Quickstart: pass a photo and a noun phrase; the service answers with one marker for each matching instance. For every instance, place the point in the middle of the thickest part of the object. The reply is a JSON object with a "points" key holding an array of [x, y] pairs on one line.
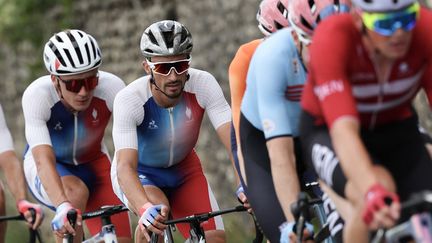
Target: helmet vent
{"points": [[183, 35], [305, 23], [169, 38], [278, 25], [58, 38], [94, 50], [69, 57], [87, 52], [311, 3], [281, 7], [152, 38], [57, 53], [72, 39]]}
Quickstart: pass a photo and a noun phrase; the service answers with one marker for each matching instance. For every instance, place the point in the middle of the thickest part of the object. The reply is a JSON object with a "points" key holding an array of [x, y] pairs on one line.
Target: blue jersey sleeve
{"points": [[279, 83]]}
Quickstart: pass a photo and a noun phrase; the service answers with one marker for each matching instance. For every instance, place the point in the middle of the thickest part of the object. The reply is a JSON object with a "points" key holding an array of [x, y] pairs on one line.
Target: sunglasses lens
{"points": [[75, 85], [387, 24], [165, 68]]}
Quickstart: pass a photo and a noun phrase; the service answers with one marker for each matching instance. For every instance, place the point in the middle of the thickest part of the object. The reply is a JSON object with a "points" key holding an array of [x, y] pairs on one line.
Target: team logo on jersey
{"points": [[188, 114], [58, 126], [152, 125], [94, 114], [95, 117]]}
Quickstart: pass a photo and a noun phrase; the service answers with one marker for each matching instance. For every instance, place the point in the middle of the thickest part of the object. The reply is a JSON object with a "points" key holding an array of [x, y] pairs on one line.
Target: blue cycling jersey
{"points": [[274, 85]]}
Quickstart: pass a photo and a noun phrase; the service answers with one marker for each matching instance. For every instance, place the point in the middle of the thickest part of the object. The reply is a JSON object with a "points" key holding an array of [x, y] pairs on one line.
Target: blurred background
{"points": [[218, 27]]}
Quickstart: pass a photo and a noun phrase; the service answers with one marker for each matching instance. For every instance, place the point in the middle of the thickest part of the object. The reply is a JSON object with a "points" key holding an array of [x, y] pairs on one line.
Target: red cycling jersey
{"points": [[343, 81]]}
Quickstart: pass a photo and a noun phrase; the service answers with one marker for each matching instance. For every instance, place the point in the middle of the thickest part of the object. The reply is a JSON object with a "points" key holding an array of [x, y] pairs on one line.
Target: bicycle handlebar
{"points": [[34, 234], [419, 202], [205, 216], [105, 211]]}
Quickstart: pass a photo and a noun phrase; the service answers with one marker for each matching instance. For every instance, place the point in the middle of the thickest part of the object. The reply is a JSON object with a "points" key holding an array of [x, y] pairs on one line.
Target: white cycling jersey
{"points": [[165, 136], [6, 142], [76, 138]]}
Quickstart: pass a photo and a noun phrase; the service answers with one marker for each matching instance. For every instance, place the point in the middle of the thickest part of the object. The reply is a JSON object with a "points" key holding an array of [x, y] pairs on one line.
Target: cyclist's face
{"points": [[170, 77], [80, 100], [394, 46]]}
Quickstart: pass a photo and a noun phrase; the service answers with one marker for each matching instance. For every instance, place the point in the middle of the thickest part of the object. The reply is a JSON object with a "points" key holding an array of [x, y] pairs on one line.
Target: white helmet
{"points": [[382, 5], [166, 38], [71, 52]]}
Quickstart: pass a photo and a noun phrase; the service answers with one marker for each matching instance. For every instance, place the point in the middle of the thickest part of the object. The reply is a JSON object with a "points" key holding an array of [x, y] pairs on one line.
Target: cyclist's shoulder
{"points": [[423, 30], [246, 50], [110, 78], [279, 45], [244, 55], [137, 90], [41, 89], [198, 76], [40, 84]]}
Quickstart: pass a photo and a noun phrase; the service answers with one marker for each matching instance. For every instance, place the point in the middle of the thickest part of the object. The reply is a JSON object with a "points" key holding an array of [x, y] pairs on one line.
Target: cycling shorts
{"points": [[95, 175], [185, 186]]}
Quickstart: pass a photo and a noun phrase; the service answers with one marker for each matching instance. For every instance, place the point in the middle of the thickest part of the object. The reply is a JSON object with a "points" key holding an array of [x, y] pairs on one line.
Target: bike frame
{"points": [[107, 233], [196, 232], [415, 221]]}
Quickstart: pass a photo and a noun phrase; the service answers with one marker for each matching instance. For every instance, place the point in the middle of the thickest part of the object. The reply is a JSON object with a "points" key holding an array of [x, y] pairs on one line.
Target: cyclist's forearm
{"points": [[352, 154], [47, 172], [14, 175], [284, 173], [225, 137], [131, 186]]}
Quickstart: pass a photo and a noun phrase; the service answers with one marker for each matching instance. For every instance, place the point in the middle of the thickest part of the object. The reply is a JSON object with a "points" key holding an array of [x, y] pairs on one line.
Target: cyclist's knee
{"points": [[76, 191], [215, 236]]}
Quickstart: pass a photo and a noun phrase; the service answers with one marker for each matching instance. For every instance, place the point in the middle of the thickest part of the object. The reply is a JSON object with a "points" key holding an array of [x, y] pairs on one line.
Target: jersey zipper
{"points": [[74, 148], [171, 153], [381, 82]]}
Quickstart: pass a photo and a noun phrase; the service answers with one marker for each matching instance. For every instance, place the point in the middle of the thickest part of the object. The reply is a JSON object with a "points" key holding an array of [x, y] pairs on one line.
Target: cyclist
{"points": [[358, 127], [269, 116], [156, 125], [12, 169], [271, 16], [66, 113]]}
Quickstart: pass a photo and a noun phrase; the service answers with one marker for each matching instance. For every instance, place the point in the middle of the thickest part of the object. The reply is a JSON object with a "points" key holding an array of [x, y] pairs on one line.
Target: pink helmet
{"points": [[304, 15], [272, 15]]}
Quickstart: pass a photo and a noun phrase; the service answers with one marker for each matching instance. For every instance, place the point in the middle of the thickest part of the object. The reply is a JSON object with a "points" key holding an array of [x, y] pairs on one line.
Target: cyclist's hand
{"points": [[241, 196], [288, 235], [382, 207], [24, 208], [60, 223], [152, 218]]}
